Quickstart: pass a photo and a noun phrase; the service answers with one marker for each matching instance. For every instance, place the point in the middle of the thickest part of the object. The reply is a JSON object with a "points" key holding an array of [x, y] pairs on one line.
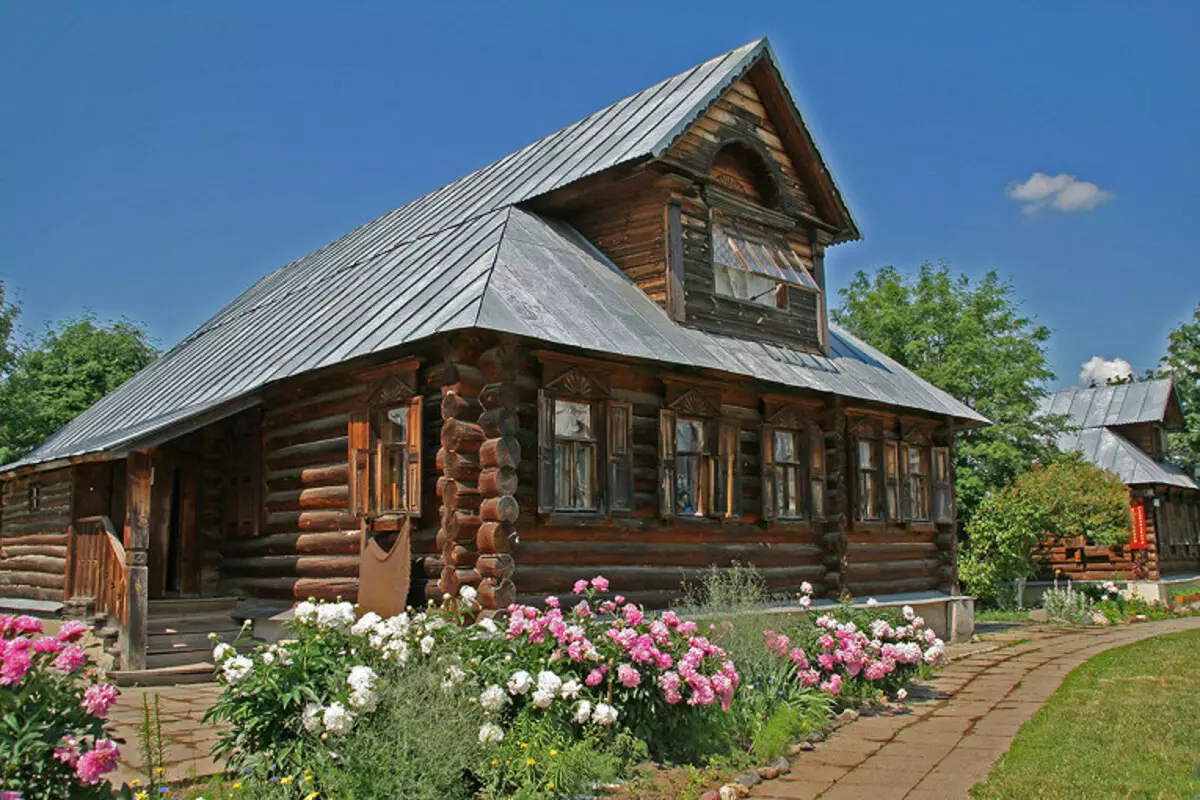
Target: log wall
{"points": [[33, 543]]}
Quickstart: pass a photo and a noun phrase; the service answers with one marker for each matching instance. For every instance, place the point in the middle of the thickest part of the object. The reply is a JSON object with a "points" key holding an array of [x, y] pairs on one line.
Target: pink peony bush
{"points": [[54, 737]]}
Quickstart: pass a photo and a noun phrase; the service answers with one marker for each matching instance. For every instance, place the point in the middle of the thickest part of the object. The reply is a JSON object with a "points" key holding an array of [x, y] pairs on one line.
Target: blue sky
{"points": [[157, 158]]}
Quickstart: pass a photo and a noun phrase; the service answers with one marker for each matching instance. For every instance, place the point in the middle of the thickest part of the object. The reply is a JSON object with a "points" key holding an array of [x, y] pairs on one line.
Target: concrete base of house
{"points": [[1159, 591], [952, 617], [42, 609]]}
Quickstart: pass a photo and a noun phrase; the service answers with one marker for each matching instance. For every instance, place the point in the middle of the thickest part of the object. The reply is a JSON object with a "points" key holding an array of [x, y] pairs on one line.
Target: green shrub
{"points": [[1069, 605]]}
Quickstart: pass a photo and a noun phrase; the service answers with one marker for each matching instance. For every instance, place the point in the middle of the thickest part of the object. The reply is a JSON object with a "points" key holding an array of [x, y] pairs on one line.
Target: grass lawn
{"points": [[1122, 725]]}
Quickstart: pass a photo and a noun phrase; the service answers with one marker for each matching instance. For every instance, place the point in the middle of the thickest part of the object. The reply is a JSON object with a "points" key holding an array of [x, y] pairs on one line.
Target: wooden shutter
{"points": [[545, 452], [620, 458], [943, 495], [666, 463], [817, 497], [413, 459], [359, 436], [906, 509], [728, 478], [770, 474]]}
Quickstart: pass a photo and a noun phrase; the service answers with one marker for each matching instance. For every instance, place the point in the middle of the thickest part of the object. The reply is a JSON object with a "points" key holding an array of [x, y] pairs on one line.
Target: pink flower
{"points": [[599, 583], [686, 628], [47, 644], [552, 601], [580, 587], [826, 661], [826, 641], [665, 661], [68, 751], [98, 698], [6, 624], [619, 599], [72, 658], [27, 624], [71, 631], [596, 676], [833, 685], [98, 761], [670, 683], [10, 795], [810, 677], [582, 609], [633, 615], [670, 618], [799, 658], [16, 661], [628, 676]]}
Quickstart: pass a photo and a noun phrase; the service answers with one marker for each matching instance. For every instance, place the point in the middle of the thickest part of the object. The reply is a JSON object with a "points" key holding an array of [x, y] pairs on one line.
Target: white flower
{"points": [[520, 682], [489, 625], [902, 694], [335, 616], [396, 650], [805, 601], [427, 645], [570, 690], [806, 588], [604, 714], [491, 733], [493, 699], [918, 622], [543, 698], [221, 652], [268, 658], [548, 682], [454, 676], [362, 679], [337, 718], [872, 602], [583, 712], [366, 623], [908, 613], [237, 669], [364, 700], [311, 718], [306, 612], [468, 593]]}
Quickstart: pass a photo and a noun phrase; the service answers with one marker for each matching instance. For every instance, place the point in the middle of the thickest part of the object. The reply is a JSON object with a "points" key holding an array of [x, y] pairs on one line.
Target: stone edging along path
{"points": [[963, 720]]}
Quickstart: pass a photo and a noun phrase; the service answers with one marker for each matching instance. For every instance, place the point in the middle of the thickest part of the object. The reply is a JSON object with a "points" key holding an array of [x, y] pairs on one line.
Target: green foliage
{"points": [[1067, 498], [150, 740], [1182, 362], [971, 341], [1069, 605], [61, 374], [8, 322]]}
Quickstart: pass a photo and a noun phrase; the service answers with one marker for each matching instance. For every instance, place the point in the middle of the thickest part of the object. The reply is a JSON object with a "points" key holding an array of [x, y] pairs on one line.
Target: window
{"points": [[700, 470], [891, 479], [943, 494], [577, 436], [574, 456], [755, 267], [868, 480], [385, 454], [35, 496], [917, 467], [793, 478]]}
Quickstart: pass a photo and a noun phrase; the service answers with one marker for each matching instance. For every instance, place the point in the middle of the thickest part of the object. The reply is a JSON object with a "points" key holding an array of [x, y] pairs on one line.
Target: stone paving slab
{"points": [[962, 721]]}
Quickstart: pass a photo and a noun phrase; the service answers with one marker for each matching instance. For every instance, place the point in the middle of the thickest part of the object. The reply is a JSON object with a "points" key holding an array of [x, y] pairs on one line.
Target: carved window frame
{"points": [[808, 464], [369, 447], [867, 435], [719, 471]]}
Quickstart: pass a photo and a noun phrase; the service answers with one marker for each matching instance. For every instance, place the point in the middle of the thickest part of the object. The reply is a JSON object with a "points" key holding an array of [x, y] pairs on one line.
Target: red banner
{"points": [[1138, 540]]}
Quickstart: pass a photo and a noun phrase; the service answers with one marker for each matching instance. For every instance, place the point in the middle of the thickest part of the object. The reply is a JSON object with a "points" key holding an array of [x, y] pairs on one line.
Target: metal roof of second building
{"points": [[1119, 404], [1112, 451]]}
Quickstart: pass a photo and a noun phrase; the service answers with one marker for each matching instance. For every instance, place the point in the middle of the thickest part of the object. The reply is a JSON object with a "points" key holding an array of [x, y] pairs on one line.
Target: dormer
{"points": [[726, 226]]}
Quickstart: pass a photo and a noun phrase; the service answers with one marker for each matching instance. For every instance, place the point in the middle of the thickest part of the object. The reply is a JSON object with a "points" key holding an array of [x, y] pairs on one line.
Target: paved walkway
{"points": [[962, 720], [186, 739]]}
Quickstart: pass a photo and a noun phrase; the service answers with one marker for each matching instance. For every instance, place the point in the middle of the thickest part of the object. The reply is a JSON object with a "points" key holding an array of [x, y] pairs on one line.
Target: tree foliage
{"points": [[8, 323], [1182, 363], [971, 341], [63, 372], [1069, 497]]}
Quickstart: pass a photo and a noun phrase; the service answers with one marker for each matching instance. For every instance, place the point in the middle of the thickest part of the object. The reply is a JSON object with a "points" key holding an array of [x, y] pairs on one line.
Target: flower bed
{"points": [[55, 740], [547, 702]]}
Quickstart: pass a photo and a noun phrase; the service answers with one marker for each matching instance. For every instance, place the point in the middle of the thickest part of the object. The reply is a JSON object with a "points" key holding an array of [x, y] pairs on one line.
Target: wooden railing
{"points": [[96, 567]]}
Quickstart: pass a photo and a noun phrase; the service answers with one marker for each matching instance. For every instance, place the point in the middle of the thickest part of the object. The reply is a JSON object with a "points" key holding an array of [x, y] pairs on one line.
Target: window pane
{"points": [[394, 425], [687, 485], [818, 498], [816, 456], [866, 455], [893, 501], [585, 476], [891, 460], [942, 471], [918, 463], [790, 503], [572, 420], [941, 501], [869, 494], [393, 478], [741, 285], [785, 447], [918, 490], [562, 475], [689, 436]]}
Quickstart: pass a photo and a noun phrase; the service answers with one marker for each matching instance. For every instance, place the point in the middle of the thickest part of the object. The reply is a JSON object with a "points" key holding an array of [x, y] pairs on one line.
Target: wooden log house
{"points": [[608, 352], [1123, 428]]}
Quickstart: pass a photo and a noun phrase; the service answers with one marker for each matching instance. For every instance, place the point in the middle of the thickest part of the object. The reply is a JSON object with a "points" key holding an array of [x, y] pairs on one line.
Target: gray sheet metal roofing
{"points": [[1103, 406], [424, 268], [1112, 451]]}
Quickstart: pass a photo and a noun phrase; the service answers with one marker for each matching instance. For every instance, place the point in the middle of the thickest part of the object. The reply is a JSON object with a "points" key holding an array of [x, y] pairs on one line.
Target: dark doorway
{"points": [[174, 553]]}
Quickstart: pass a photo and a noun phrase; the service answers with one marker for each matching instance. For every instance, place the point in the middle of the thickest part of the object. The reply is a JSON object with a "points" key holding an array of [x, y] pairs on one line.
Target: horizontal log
{"points": [[533, 551], [58, 551], [493, 595], [45, 580], [500, 509], [455, 406], [498, 422], [504, 451], [433, 591], [30, 592], [49, 523], [334, 566], [493, 537], [32, 539], [308, 430], [460, 495], [463, 379], [38, 563], [496, 481], [461, 437], [292, 588], [627, 579], [333, 543], [457, 466], [314, 498], [860, 588], [461, 525], [499, 395], [460, 556], [307, 521], [308, 477], [907, 566], [496, 567], [325, 451]]}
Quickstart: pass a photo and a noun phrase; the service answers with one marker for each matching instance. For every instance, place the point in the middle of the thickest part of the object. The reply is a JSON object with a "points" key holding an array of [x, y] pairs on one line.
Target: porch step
{"points": [[177, 632], [165, 676]]}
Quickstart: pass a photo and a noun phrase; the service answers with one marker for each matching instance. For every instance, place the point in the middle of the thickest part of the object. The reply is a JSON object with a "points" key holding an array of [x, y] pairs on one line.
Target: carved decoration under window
{"points": [[385, 452]]}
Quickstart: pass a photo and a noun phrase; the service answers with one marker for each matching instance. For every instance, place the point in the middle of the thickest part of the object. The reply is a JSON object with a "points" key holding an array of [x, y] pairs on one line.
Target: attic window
{"points": [[755, 268]]}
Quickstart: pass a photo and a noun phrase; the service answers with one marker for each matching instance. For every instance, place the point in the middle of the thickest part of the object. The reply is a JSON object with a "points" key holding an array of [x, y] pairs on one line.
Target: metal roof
{"points": [[1105, 406], [1109, 450], [424, 268]]}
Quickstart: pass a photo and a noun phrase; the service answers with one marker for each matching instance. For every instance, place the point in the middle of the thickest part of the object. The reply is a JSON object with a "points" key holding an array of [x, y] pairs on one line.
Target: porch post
{"points": [[839, 512], [139, 481]]}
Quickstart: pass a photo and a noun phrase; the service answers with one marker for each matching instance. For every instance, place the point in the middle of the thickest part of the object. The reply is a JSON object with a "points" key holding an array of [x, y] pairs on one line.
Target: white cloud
{"points": [[1098, 371], [1063, 192]]}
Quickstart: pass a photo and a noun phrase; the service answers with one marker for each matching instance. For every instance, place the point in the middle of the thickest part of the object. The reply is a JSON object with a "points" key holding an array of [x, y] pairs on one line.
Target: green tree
{"points": [[62, 373], [8, 323], [971, 341], [1182, 363], [1070, 497]]}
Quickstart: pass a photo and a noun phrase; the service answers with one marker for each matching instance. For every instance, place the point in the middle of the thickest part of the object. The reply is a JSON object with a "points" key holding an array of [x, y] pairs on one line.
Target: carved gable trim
{"points": [[867, 428], [696, 403], [577, 382], [391, 390], [916, 437]]}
